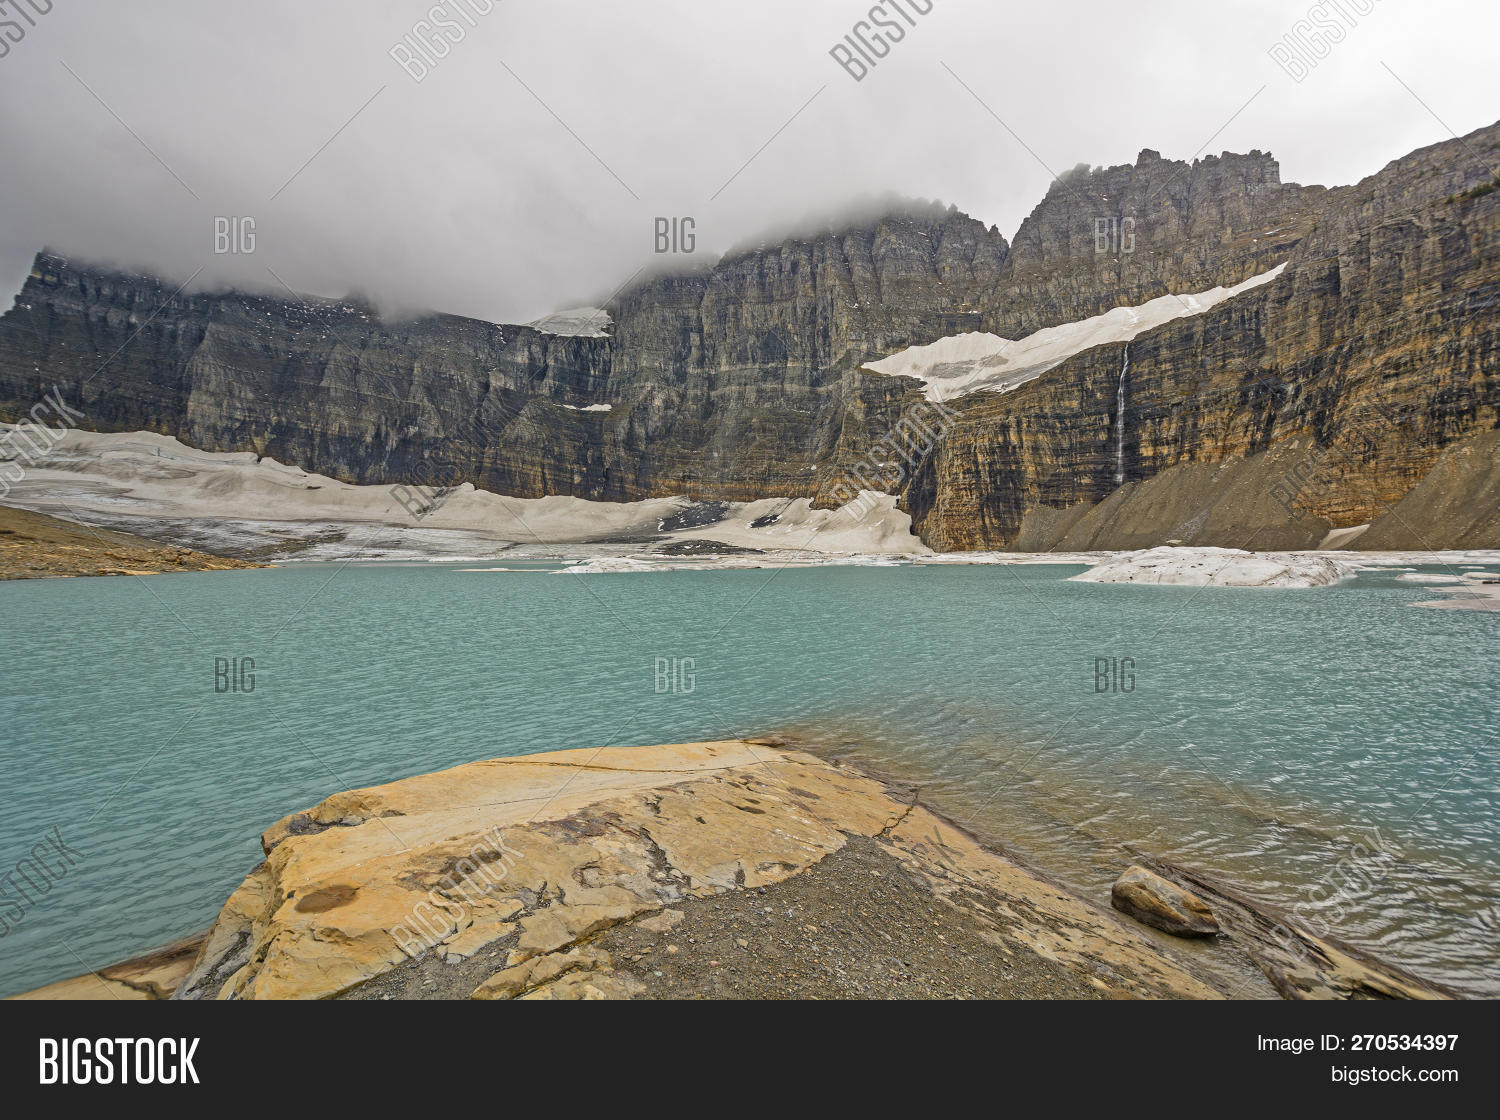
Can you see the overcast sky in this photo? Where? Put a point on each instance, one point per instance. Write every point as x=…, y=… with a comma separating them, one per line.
x=524, y=172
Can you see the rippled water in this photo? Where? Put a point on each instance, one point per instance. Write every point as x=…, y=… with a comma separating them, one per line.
x=1265, y=736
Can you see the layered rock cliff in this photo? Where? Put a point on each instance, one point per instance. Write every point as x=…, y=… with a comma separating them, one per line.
x=728, y=382
x=1314, y=403
x=1317, y=402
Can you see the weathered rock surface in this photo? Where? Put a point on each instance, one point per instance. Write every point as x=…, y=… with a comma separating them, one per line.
x=1161, y=903
x=154, y=976
x=705, y=870
x=517, y=866
x=1299, y=963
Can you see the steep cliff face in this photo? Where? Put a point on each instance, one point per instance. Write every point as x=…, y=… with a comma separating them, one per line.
x=740, y=381
x=1318, y=401
x=1314, y=403
x=308, y=383
x=732, y=382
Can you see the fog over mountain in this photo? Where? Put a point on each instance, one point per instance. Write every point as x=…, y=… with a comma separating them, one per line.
x=526, y=169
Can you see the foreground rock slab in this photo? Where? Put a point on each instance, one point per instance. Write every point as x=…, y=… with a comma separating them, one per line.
x=153, y=976
x=556, y=875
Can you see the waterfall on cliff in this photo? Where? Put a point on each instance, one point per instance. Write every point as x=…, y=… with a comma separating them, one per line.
x=1120, y=420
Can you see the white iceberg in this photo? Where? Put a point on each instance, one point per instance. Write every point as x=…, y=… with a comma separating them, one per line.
x=1218, y=567
x=608, y=565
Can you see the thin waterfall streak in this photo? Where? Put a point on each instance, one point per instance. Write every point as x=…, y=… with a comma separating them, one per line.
x=1120, y=420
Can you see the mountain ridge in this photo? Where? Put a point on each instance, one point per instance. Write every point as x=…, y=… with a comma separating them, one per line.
x=746, y=378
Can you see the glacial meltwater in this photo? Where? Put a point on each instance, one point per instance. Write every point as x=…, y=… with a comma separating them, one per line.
x=1331, y=751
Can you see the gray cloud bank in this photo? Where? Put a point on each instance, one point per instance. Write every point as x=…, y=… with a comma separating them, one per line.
x=507, y=158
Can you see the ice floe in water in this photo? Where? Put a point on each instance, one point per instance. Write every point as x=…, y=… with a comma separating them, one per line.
x=607, y=565
x=1218, y=567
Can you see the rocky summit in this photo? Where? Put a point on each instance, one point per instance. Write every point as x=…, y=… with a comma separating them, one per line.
x=1353, y=395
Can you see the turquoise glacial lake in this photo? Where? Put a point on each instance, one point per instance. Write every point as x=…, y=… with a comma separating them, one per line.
x=1332, y=750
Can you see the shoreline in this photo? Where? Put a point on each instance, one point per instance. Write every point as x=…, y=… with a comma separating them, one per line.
x=734, y=869
x=1469, y=593
x=176, y=546
x=256, y=508
x=39, y=546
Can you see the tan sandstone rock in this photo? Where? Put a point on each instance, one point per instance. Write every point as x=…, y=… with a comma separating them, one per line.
x=1161, y=903
x=526, y=860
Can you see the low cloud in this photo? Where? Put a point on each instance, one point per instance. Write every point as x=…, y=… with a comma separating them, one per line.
x=526, y=169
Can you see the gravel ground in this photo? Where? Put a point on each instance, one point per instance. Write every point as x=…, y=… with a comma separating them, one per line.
x=854, y=926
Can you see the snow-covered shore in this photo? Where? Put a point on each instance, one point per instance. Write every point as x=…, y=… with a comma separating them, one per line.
x=241, y=505
x=236, y=502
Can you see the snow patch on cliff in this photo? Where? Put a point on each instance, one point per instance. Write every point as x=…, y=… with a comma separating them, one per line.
x=579, y=322
x=968, y=363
